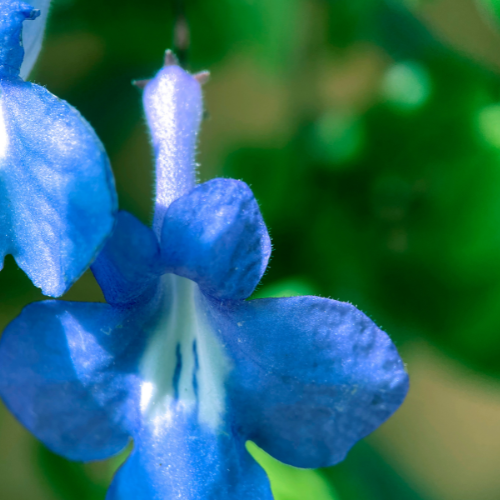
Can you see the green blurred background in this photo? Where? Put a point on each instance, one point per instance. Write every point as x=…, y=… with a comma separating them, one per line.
x=369, y=131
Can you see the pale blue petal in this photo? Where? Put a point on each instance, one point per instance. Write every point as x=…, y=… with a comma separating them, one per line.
x=215, y=236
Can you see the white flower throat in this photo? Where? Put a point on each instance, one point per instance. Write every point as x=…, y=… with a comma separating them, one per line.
x=184, y=363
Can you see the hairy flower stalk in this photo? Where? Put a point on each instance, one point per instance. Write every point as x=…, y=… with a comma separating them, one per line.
x=179, y=361
x=174, y=122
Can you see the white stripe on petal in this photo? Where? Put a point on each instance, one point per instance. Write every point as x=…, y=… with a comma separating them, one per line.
x=146, y=395
x=184, y=363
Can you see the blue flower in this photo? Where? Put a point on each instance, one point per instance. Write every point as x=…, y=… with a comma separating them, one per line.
x=57, y=197
x=179, y=360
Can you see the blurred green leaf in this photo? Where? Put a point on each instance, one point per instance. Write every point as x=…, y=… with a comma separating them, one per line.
x=290, y=483
x=268, y=28
x=290, y=287
x=409, y=232
x=68, y=480
x=491, y=7
x=365, y=475
x=406, y=85
x=75, y=480
x=337, y=139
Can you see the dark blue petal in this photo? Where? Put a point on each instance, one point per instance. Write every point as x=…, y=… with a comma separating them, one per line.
x=57, y=198
x=67, y=372
x=129, y=264
x=311, y=376
x=175, y=457
x=174, y=108
x=215, y=236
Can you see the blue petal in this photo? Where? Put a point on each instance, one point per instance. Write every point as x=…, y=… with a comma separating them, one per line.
x=57, y=198
x=312, y=376
x=129, y=265
x=177, y=458
x=174, y=108
x=215, y=236
x=66, y=372
x=33, y=36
